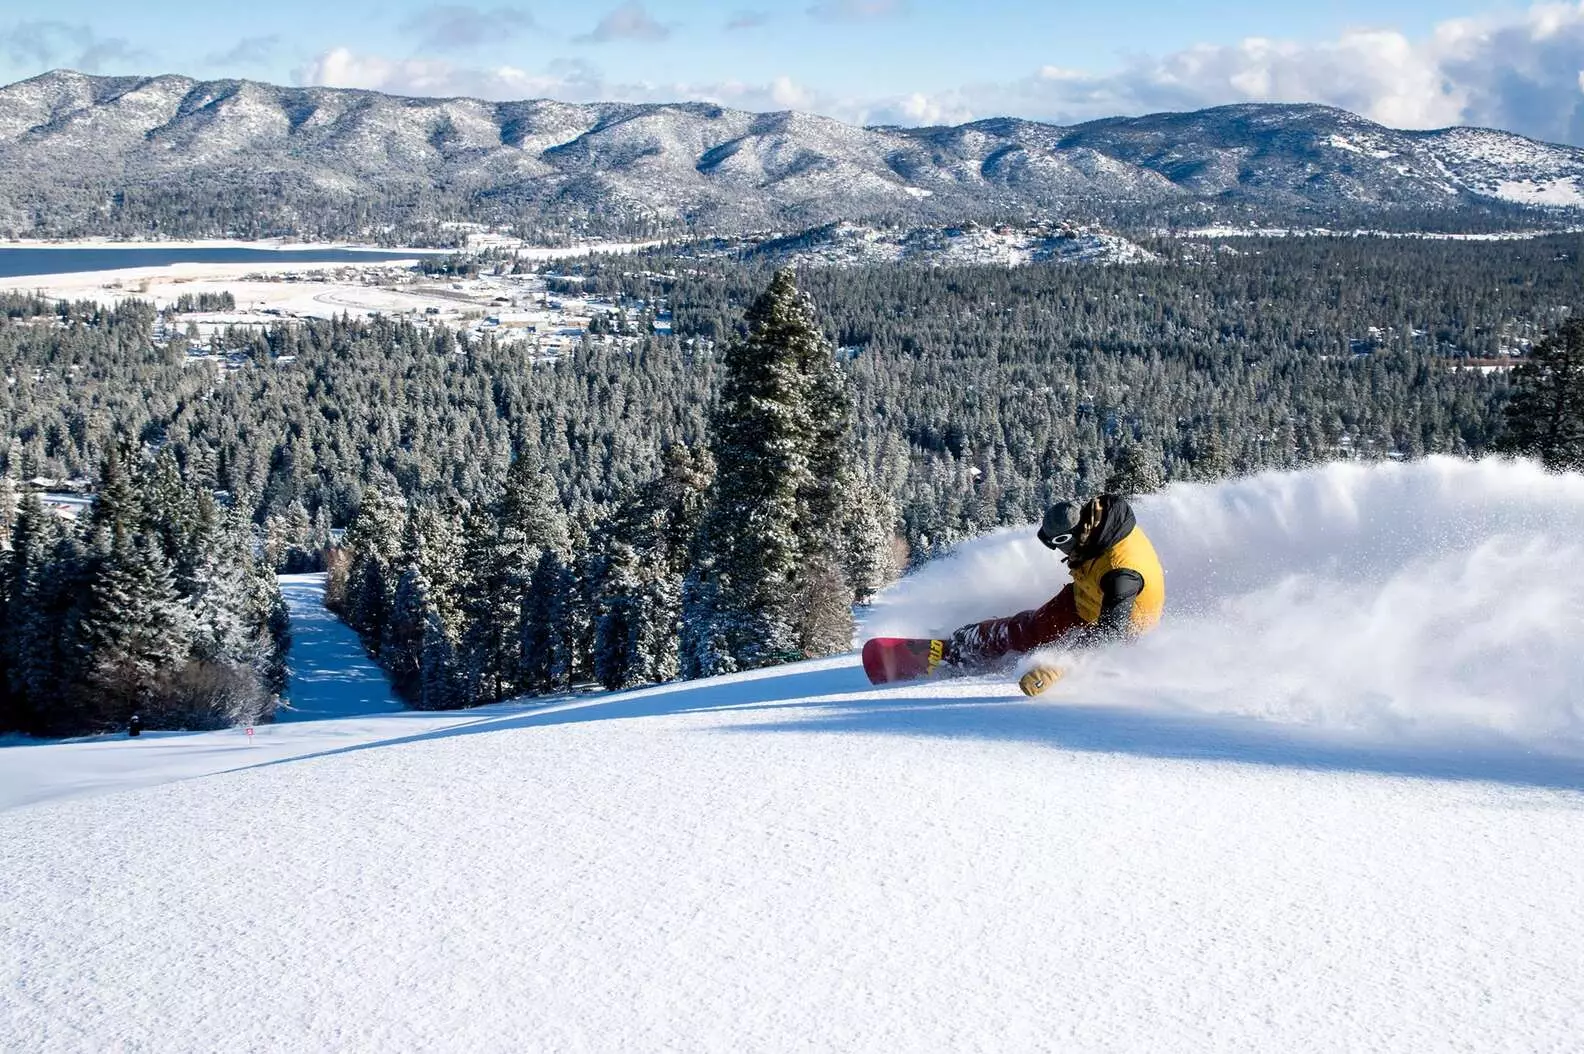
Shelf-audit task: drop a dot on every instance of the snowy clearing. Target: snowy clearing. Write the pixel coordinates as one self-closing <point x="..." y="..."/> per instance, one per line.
<point x="1563" y="193"/>
<point x="1181" y="850"/>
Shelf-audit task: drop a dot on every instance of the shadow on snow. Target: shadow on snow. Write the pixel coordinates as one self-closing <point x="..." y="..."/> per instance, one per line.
<point x="825" y="700"/>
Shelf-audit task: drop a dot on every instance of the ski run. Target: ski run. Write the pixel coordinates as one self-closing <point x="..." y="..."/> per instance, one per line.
<point x="1335" y="803"/>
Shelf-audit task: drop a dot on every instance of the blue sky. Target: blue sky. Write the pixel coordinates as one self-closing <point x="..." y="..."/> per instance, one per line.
<point x="1409" y="63"/>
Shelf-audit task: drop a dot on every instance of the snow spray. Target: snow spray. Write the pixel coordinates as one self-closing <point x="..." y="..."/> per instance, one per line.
<point x="1432" y="599"/>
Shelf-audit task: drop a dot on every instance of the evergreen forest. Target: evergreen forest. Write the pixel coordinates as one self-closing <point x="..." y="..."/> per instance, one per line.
<point x="713" y="498"/>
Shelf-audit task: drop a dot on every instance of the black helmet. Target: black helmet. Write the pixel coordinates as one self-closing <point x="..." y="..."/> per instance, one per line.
<point x="1060" y="527"/>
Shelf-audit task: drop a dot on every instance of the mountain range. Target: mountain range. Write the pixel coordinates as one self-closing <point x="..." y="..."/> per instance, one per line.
<point x="180" y="157"/>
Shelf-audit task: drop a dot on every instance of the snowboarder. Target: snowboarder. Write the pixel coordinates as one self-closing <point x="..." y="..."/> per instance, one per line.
<point x="1117" y="592"/>
<point x="135" y="725"/>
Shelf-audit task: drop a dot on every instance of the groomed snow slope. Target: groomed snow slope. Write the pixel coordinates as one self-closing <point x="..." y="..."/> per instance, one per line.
<point x="792" y="860"/>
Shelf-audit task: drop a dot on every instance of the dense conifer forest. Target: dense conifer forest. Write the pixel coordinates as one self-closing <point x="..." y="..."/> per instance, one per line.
<point x="517" y="525"/>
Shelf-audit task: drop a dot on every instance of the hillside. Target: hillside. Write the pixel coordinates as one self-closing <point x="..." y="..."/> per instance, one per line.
<point x="174" y="156"/>
<point x="1334" y="803"/>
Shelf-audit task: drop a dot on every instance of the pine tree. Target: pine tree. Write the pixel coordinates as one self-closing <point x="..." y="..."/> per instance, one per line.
<point x="1137" y="471"/>
<point x="615" y="612"/>
<point x="402" y="647"/>
<point x="30" y="633"/>
<point x="703" y="644"/>
<point x="1210" y="458"/>
<point x="1545" y="417"/>
<point x="488" y="643"/>
<point x="548" y="643"/>
<point x="135" y="632"/>
<point x="439" y="688"/>
<point x="116" y="509"/>
<point x="825" y="622"/>
<point x="167" y="504"/>
<point x="867" y="553"/>
<point x="373" y="540"/>
<point x="777" y="435"/>
<point x="8" y="507"/>
<point x="535" y="545"/>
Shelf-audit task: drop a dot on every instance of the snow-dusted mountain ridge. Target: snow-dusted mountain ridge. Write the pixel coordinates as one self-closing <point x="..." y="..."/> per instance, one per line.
<point x="241" y="157"/>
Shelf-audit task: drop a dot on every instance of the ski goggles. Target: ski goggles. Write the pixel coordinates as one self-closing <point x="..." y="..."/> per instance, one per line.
<point x="1061" y="542"/>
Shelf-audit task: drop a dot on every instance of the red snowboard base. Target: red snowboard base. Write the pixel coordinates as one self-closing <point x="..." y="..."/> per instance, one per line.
<point x="887" y="659"/>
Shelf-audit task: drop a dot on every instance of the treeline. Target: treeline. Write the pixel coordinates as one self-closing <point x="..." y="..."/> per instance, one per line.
<point x="153" y="603"/>
<point x="224" y="300"/>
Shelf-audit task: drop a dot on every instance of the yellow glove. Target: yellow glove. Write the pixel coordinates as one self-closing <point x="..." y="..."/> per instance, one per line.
<point x="1040" y="678"/>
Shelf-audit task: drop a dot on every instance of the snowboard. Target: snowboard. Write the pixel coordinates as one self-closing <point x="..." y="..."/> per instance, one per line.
<point x="887" y="659"/>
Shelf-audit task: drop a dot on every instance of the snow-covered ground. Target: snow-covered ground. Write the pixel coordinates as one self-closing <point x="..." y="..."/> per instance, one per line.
<point x="1334" y="803"/>
<point x="330" y="675"/>
<point x="524" y="249"/>
<point x="318" y="293"/>
<point x="314" y="290"/>
<point x="1327" y="232"/>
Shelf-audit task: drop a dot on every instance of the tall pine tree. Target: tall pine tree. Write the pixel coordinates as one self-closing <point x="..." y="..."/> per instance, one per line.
<point x="762" y="591"/>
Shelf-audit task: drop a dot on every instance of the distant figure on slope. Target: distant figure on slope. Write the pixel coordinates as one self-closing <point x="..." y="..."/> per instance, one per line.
<point x="1117" y="591"/>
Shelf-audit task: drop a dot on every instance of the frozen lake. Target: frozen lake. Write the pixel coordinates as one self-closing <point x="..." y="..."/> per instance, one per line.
<point x="16" y="263"/>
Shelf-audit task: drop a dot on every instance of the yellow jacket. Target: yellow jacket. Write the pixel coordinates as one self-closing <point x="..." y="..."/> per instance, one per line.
<point x="1125" y="570"/>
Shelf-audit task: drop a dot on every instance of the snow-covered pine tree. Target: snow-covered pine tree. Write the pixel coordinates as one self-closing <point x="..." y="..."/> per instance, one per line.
<point x="373" y="541"/>
<point x="781" y="413"/>
<point x="432" y="544"/>
<point x="702" y="646"/>
<point x="402" y="646"/>
<point x="1209" y="457"/>
<point x="638" y="583"/>
<point x="867" y="546"/>
<point x="491" y="611"/>
<point x="652" y="635"/>
<point x="8" y="507"/>
<point x="549" y="630"/>
<point x="1545" y="417"/>
<point x="167" y="503"/>
<point x="535" y="544"/>
<point x="117" y="510"/>
<point x="1137" y="471"/>
<point x="288" y="540"/>
<point x="615" y="611"/>
<point x="31" y="628"/>
<point x="439" y="688"/>
<point x="134" y="633"/>
<point x="824" y="609"/>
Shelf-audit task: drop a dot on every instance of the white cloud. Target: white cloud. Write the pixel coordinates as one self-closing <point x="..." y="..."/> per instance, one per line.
<point x="569" y="81"/>
<point x="249" y="51"/>
<point x="1523" y="72"/>
<point x="343" y="68"/>
<point x="49" y="42"/>
<point x="630" y="21"/>
<point x="748" y="20"/>
<point x="855" y="10"/>
<point x="455" y="27"/>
